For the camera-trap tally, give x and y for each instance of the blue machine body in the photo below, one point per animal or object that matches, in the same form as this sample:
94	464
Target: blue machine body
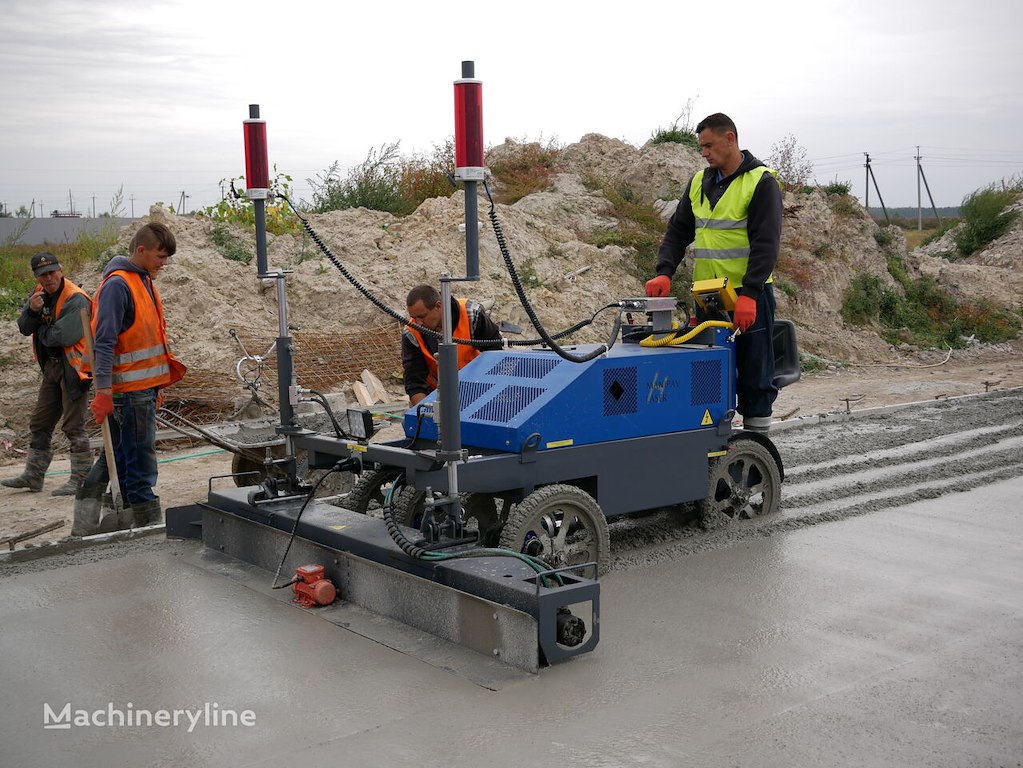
508	397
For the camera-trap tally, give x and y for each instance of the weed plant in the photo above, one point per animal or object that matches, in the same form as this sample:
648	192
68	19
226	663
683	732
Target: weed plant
985	216
529	169
931	316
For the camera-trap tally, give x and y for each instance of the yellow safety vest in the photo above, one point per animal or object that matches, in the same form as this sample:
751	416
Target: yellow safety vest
722	240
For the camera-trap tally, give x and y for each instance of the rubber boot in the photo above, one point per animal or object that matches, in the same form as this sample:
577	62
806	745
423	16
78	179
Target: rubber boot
36	464
147	513
81	463
87	513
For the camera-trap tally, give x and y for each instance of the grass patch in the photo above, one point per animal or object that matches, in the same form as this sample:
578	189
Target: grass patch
926	315
229	246
16	279
527	168
986	217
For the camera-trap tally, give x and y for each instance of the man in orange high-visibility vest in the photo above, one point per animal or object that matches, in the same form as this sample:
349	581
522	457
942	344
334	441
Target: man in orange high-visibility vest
419	350
133	362
52	316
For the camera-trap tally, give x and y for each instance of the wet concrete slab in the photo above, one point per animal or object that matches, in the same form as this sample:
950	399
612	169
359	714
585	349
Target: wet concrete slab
888	639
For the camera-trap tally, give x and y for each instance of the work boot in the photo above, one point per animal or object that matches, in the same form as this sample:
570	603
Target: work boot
36	464
87	512
147	512
756	423
81	463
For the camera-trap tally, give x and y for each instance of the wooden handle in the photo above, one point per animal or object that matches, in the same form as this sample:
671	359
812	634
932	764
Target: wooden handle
108	442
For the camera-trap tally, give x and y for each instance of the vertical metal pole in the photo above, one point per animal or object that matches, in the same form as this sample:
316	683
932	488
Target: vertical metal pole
260	210
450	418
919	203
866	185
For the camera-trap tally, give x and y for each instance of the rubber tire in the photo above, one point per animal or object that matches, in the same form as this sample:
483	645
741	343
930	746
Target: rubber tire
367	496
240	464
532	518
743	484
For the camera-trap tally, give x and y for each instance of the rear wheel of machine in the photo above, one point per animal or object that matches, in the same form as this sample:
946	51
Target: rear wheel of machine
744	483
561	525
244	467
368	494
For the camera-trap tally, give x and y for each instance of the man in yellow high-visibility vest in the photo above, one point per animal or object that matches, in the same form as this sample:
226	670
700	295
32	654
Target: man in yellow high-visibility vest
732	212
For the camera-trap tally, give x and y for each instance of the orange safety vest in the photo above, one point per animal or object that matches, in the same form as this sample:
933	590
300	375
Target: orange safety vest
74	353
466	352
142	356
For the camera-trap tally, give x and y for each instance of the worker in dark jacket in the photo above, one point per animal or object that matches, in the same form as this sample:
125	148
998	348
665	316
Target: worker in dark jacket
419	350
52	316
733	212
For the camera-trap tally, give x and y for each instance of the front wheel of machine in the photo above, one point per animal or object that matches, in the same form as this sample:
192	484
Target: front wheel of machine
368	495
561	525
743	484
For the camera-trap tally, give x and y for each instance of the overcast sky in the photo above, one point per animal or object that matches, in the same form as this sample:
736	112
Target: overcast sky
150	97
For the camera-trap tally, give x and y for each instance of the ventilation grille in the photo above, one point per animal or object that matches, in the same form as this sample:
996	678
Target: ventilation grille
619	391
471	391
706	377
524	367
507	404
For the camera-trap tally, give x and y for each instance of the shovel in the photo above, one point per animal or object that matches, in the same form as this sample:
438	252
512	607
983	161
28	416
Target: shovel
108	443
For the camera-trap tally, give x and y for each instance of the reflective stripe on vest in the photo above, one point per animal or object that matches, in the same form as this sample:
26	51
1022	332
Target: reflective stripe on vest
722	240
142	358
73	353
466	352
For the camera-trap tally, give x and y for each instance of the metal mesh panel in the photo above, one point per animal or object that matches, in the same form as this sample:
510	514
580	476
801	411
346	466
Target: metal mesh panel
619	391
471	391
706	375
507	403
524	367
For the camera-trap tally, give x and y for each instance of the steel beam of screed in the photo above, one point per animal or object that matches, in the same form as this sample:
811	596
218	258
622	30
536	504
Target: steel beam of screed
492	605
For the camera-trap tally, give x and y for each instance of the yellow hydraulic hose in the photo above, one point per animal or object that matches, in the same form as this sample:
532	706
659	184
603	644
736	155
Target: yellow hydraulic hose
671	339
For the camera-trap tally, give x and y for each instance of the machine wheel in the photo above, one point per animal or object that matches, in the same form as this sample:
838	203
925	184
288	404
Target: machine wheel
744	483
479	511
368	494
561	525
240	464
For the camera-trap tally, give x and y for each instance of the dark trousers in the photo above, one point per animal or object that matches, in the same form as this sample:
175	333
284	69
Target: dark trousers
133	433
754	359
54	404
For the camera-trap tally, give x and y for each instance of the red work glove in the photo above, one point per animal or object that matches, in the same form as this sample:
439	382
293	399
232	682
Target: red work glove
102	406
659	286
745	313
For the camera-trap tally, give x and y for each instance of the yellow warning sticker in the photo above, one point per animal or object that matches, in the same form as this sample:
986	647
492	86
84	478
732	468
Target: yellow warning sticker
560	443
338	527
707	420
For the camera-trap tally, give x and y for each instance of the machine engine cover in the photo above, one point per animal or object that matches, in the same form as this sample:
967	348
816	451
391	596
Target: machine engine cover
633	391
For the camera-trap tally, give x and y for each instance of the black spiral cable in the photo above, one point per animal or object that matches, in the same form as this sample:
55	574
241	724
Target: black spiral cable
502	244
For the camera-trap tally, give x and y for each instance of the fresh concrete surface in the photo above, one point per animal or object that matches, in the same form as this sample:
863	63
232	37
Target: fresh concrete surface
894	638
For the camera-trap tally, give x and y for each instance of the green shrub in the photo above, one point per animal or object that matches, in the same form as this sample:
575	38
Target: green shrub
237	209
985	217
681	130
229	246
386	181
838	188
526	170
931	316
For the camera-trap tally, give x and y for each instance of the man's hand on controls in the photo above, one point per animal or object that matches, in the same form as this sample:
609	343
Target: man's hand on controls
745	313
658	286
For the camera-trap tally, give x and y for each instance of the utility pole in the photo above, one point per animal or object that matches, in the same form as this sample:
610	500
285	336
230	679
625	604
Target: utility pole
94	206
920	175
132	199
870	177
866	183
